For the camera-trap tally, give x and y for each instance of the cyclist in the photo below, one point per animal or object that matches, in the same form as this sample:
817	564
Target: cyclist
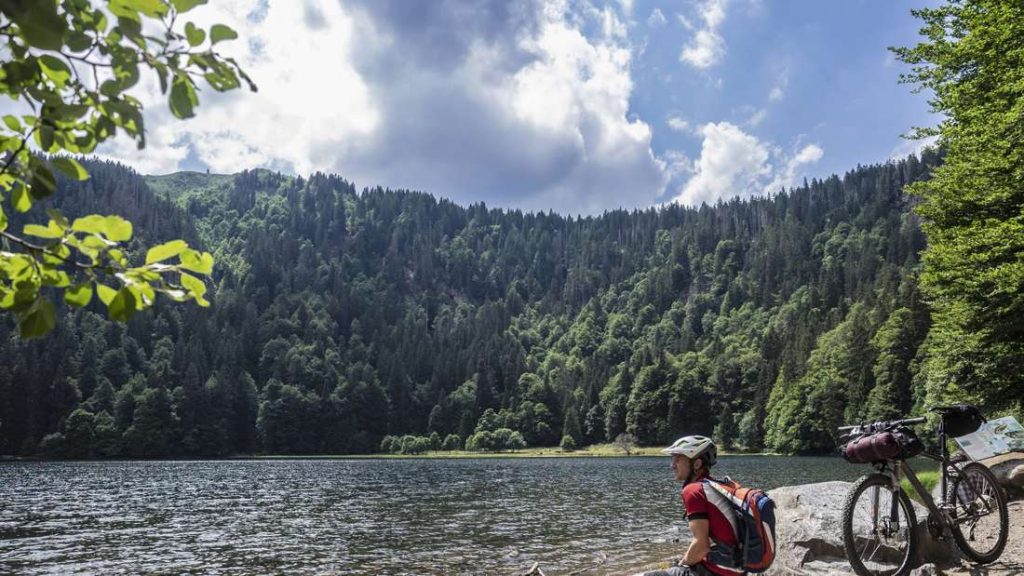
710	552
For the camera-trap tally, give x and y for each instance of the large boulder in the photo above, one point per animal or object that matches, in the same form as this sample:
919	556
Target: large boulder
1009	470
810	534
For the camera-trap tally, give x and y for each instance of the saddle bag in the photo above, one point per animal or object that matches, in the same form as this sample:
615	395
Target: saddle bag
961	419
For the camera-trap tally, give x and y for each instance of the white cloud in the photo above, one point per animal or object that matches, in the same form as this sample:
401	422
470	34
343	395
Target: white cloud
906	147
707	47
790	175
756	117
657	18
678	124
507	103
776	94
311	104
731	163
734	163
677	164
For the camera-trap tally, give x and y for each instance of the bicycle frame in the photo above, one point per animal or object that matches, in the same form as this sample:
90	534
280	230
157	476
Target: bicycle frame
901	468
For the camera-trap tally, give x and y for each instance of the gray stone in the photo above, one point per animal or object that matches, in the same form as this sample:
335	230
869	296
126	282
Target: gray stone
810	534
1009	470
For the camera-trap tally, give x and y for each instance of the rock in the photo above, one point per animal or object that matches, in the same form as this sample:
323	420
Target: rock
1009	470
925	570
810	534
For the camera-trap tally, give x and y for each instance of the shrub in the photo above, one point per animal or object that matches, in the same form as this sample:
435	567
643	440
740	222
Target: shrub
452	442
568	443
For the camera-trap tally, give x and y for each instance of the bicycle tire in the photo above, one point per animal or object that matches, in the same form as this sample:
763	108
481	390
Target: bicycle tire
850	509
973	472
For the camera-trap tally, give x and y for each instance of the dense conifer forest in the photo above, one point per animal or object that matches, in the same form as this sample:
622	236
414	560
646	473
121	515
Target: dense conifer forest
341	319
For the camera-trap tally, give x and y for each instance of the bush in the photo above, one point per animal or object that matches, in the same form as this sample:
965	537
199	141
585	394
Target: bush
480	442
408	444
929	479
625	443
568	443
516	441
435	441
387	445
452	442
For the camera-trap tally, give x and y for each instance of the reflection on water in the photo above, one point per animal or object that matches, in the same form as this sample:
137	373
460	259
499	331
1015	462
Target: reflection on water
410	516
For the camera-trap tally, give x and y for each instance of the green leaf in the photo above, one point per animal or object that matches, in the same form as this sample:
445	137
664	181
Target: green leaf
195	34
79	295
122	306
113	227
220	32
3	219
118	229
55	69
12	122
78	41
43	183
195	287
40	319
183	6
38	22
71	167
106	293
144	295
152	8
57	278
51	231
164	251
44	137
198	262
21	198
183	97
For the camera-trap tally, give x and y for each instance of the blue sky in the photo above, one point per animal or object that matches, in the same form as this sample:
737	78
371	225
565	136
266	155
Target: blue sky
574	106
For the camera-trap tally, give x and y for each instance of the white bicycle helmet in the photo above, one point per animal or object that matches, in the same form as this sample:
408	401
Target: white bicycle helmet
694	447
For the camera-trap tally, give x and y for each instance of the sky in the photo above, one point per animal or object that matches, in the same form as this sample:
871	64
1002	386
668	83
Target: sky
573	106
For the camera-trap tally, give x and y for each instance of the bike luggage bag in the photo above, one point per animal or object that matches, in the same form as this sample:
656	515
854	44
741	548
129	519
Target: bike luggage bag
961	419
872	448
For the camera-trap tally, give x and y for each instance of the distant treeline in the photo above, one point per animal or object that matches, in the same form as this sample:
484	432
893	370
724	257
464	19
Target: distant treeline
343	321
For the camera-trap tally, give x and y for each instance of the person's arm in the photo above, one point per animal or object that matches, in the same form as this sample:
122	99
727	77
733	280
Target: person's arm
701	544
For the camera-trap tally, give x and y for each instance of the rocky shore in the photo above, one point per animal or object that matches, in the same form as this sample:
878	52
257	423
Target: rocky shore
809	531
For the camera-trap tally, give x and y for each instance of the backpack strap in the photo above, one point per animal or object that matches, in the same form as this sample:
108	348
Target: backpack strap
723	554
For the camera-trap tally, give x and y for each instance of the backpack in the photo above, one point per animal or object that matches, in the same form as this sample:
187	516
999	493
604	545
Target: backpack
751	513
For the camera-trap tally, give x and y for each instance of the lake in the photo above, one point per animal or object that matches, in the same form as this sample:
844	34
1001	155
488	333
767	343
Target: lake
398	516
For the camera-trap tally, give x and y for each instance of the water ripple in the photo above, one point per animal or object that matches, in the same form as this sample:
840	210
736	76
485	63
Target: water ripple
357	517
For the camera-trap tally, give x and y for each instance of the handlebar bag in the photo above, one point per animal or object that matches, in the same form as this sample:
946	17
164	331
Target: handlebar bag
872	448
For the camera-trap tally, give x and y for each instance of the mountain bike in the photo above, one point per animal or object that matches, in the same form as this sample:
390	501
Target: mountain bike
880	532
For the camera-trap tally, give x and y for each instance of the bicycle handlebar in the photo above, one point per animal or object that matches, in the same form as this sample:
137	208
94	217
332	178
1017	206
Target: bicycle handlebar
885	424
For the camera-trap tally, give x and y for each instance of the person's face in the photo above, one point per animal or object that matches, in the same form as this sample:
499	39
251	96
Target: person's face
681	466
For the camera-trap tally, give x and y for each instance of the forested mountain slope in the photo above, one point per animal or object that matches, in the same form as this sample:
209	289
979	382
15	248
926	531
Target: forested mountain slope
341	316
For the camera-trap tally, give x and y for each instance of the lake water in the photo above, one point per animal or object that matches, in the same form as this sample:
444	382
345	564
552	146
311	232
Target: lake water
408	516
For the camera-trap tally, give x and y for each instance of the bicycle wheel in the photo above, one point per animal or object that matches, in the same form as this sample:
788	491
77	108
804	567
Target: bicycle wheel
878	528
981	520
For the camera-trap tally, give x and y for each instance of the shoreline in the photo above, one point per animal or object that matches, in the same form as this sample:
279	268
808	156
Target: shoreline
430	455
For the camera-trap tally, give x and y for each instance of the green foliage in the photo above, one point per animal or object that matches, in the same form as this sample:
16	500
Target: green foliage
972	59
452	442
500	440
568	444
929	480
71	69
344	317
